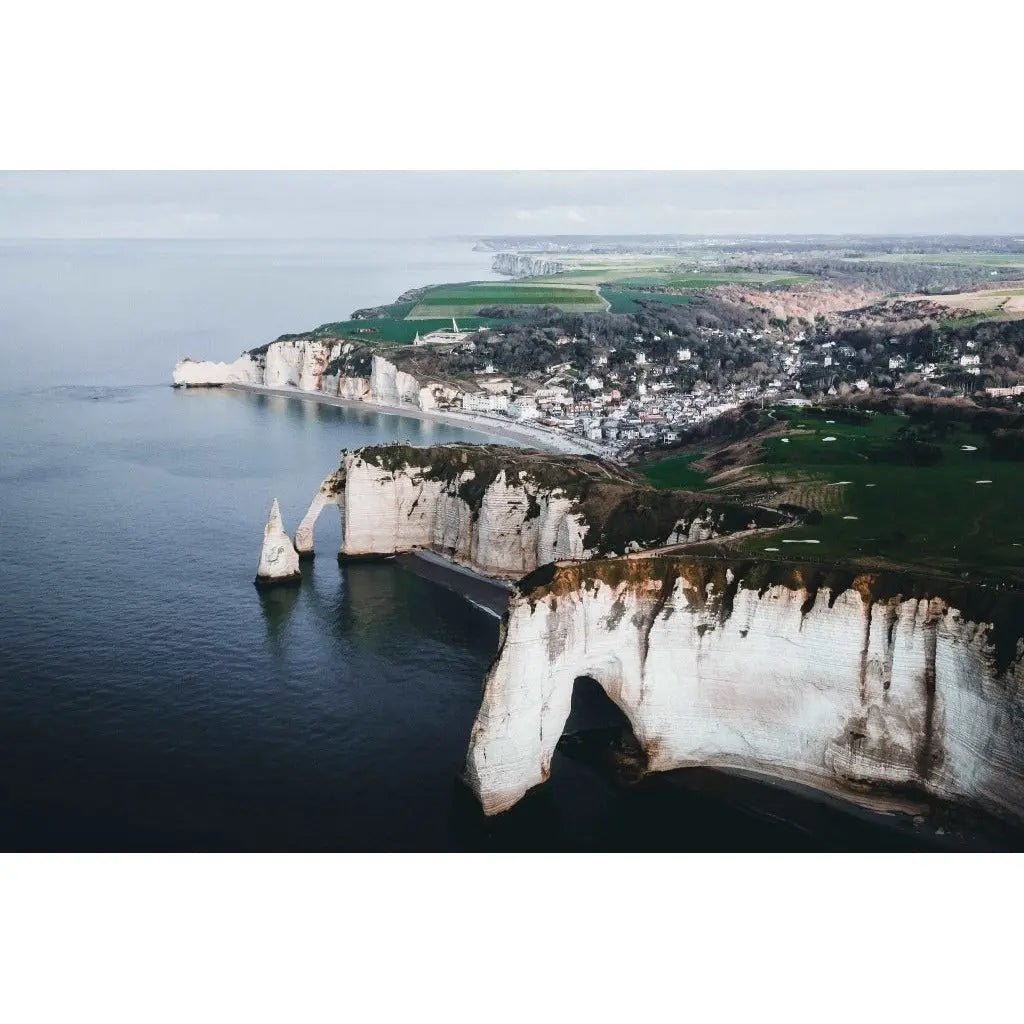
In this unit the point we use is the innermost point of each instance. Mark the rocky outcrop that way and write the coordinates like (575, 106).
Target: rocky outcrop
(193, 373)
(503, 511)
(279, 562)
(864, 685)
(516, 264)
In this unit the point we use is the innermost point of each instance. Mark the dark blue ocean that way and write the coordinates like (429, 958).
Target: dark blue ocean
(150, 697)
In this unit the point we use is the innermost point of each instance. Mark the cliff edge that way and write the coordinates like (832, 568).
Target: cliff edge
(504, 512)
(869, 685)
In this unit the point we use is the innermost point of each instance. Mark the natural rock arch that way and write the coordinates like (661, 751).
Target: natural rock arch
(329, 494)
(516, 735)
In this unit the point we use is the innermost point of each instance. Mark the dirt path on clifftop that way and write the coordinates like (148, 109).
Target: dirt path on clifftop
(673, 549)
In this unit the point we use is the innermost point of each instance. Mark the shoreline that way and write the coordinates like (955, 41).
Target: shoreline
(487, 593)
(530, 437)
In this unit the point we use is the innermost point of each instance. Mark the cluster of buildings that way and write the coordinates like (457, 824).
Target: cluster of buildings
(613, 408)
(653, 400)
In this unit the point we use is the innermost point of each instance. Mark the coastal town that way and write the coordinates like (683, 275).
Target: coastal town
(619, 353)
(613, 407)
(649, 389)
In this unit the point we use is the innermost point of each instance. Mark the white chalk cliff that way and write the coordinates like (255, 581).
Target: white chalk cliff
(499, 510)
(858, 685)
(299, 364)
(302, 363)
(279, 562)
(515, 264)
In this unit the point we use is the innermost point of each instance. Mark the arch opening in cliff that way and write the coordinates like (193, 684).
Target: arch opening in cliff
(599, 733)
(331, 492)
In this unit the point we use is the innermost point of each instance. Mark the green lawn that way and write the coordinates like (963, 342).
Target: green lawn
(677, 472)
(933, 516)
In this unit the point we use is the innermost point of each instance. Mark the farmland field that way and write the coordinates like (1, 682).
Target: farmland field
(661, 273)
(466, 299)
(714, 280)
(594, 270)
(999, 303)
(968, 259)
(877, 510)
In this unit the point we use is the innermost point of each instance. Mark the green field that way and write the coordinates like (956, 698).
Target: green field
(677, 472)
(932, 516)
(594, 270)
(624, 300)
(466, 299)
(738, 277)
(661, 273)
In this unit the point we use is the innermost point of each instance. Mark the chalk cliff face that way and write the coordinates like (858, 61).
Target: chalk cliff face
(516, 264)
(300, 364)
(391, 386)
(504, 512)
(855, 684)
(304, 363)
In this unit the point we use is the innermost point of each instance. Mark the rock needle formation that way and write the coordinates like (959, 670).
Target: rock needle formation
(279, 561)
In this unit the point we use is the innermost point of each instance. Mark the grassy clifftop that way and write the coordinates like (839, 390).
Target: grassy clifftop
(621, 509)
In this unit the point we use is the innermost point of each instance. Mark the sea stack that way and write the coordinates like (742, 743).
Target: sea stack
(279, 561)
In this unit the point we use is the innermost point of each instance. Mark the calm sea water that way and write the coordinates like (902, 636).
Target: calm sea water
(150, 696)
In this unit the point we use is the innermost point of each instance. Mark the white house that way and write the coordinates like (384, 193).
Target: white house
(483, 402)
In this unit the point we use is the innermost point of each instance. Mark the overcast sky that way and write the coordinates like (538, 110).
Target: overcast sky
(232, 204)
